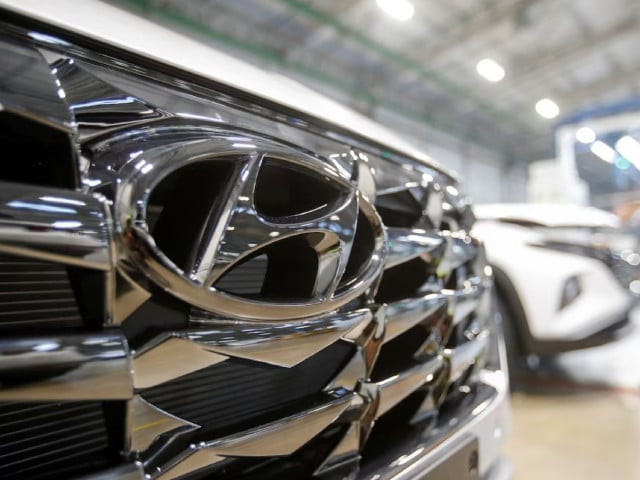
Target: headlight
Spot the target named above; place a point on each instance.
(218, 284)
(609, 246)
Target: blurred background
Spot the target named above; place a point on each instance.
(536, 105)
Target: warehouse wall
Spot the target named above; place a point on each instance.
(485, 175)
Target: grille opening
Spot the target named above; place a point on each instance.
(247, 278)
(291, 270)
(396, 425)
(281, 190)
(406, 280)
(181, 204)
(52, 440)
(239, 394)
(363, 246)
(398, 209)
(398, 354)
(89, 287)
(36, 295)
(402, 352)
(160, 313)
(46, 155)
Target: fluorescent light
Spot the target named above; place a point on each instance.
(490, 70)
(547, 108)
(604, 151)
(629, 148)
(399, 9)
(585, 135)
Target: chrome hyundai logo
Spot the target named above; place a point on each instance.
(246, 223)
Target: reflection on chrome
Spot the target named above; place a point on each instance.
(54, 225)
(466, 355)
(405, 314)
(405, 244)
(70, 367)
(461, 248)
(149, 422)
(33, 93)
(400, 386)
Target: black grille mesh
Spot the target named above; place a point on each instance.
(237, 391)
(51, 440)
(35, 294)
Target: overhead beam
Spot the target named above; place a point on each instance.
(325, 32)
(593, 92)
(265, 55)
(557, 59)
(403, 62)
(481, 21)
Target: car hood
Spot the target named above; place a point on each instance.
(547, 215)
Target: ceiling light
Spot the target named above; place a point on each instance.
(604, 151)
(547, 108)
(629, 148)
(399, 9)
(490, 70)
(585, 135)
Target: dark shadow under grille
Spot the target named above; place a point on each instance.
(35, 294)
(236, 391)
(52, 440)
(46, 154)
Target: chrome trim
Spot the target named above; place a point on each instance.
(405, 314)
(148, 422)
(461, 248)
(284, 344)
(278, 438)
(169, 359)
(347, 449)
(129, 471)
(406, 244)
(434, 208)
(353, 372)
(242, 230)
(368, 338)
(97, 106)
(369, 393)
(66, 367)
(466, 300)
(398, 387)
(466, 355)
(32, 92)
(128, 297)
(435, 395)
(55, 225)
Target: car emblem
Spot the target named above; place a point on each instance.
(225, 200)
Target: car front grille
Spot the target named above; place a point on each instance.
(234, 293)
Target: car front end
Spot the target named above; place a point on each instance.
(226, 277)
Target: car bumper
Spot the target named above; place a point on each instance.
(486, 417)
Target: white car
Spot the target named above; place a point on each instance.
(208, 270)
(566, 276)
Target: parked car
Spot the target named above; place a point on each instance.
(210, 271)
(566, 276)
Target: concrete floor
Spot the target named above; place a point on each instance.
(581, 436)
(584, 422)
